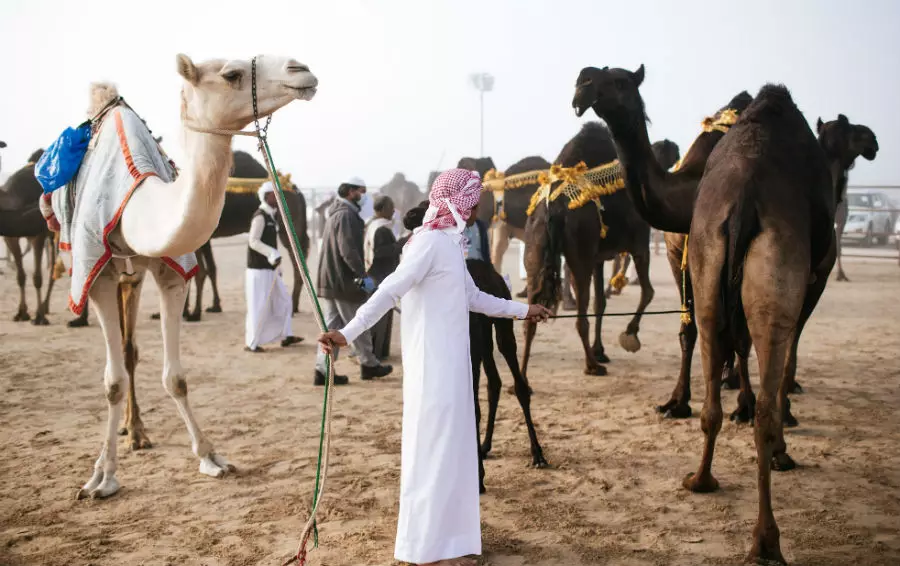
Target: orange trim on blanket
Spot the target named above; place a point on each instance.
(123, 143)
(65, 246)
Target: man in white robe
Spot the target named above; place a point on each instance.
(439, 521)
(269, 305)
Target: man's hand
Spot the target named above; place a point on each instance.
(538, 313)
(331, 340)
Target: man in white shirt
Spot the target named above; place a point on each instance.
(268, 302)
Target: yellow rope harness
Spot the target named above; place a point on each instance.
(620, 280)
(721, 122)
(243, 185)
(685, 313)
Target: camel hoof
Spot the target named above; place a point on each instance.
(217, 308)
(141, 443)
(154, 316)
(796, 389)
(766, 552)
(842, 277)
(675, 410)
(601, 357)
(595, 370)
(99, 487)
(538, 462)
(40, 321)
(77, 323)
(790, 421)
(215, 466)
(782, 462)
(629, 342)
(21, 317)
(700, 484)
(742, 415)
(193, 317)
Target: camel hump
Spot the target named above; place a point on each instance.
(101, 94)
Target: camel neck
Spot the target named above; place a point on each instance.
(838, 179)
(665, 201)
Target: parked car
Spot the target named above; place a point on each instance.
(870, 218)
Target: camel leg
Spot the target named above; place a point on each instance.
(37, 247)
(567, 284)
(211, 273)
(196, 314)
(499, 244)
(172, 290)
(506, 343)
(840, 219)
(773, 312)
(529, 329)
(746, 399)
(678, 405)
(476, 331)
(52, 254)
(14, 248)
(104, 295)
(731, 380)
(599, 309)
(494, 384)
(129, 302)
(713, 358)
(582, 324)
(629, 339)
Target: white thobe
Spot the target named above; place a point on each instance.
(439, 502)
(269, 306)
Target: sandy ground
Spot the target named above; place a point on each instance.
(613, 494)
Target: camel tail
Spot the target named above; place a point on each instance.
(740, 230)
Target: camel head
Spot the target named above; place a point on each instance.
(218, 93)
(845, 141)
(666, 152)
(609, 92)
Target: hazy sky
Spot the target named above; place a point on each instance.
(394, 91)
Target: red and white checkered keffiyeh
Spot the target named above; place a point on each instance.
(453, 194)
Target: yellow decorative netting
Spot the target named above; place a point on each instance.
(579, 184)
(251, 185)
(722, 123)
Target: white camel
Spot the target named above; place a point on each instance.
(164, 220)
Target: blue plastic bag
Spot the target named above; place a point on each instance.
(60, 162)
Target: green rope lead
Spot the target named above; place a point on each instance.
(295, 248)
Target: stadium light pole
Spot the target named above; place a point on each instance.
(483, 82)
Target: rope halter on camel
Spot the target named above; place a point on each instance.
(721, 122)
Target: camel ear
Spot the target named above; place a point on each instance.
(187, 69)
(638, 76)
(843, 119)
(819, 124)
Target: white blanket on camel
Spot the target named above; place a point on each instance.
(121, 156)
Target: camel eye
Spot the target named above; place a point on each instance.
(232, 76)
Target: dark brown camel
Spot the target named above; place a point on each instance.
(763, 232)
(858, 137)
(554, 230)
(665, 199)
(481, 348)
(667, 154)
(20, 217)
